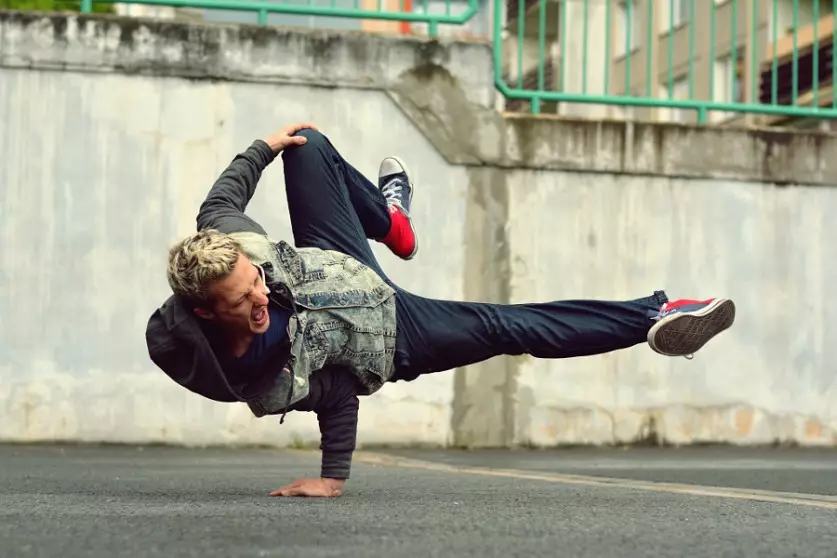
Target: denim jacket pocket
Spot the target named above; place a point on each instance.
(340, 299)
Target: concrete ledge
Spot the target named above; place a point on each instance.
(775, 156)
(471, 135)
(237, 52)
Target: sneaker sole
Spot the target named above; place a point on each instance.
(410, 218)
(685, 334)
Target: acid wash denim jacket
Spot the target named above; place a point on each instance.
(343, 323)
(344, 316)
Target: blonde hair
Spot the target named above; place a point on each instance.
(198, 260)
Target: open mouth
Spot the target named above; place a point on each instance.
(260, 317)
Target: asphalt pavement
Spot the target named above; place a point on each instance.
(115, 501)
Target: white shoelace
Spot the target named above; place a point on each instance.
(392, 191)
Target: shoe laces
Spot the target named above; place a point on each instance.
(392, 190)
(662, 312)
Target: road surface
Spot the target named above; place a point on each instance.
(114, 501)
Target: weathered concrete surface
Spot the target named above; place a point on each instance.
(483, 412)
(238, 53)
(769, 379)
(104, 165)
(777, 157)
(113, 129)
(117, 177)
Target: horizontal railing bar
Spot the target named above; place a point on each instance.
(276, 7)
(556, 96)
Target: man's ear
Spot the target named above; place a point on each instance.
(203, 313)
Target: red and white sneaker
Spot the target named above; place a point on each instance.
(397, 187)
(684, 326)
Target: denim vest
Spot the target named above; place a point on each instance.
(344, 316)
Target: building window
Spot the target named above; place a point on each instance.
(729, 80)
(805, 15)
(728, 84)
(681, 15)
(626, 19)
(682, 11)
(680, 92)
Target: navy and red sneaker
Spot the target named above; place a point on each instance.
(684, 326)
(397, 187)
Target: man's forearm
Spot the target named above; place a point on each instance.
(338, 428)
(333, 397)
(224, 206)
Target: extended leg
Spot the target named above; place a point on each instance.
(333, 206)
(437, 335)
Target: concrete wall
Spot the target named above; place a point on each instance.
(112, 130)
(109, 144)
(771, 377)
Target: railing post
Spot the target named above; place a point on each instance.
(535, 105)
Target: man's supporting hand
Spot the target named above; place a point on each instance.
(318, 488)
(285, 137)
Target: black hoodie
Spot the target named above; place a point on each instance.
(186, 348)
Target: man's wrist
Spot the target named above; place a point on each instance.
(336, 464)
(267, 146)
(335, 485)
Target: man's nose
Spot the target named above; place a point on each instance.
(260, 298)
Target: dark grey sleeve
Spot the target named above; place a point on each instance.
(333, 397)
(223, 208)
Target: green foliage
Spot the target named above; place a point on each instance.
(53, 6)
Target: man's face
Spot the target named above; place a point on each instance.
(239, 300)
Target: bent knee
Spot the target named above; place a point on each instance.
(316, 144)
(315, 138)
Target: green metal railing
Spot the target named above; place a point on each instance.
(686, 47)
(409, 10)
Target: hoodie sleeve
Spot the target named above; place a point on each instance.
(223, 208)
(333, 397)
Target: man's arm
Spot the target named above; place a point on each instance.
(224, 206)
(333, 397)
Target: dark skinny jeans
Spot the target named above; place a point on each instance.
(334, 207)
